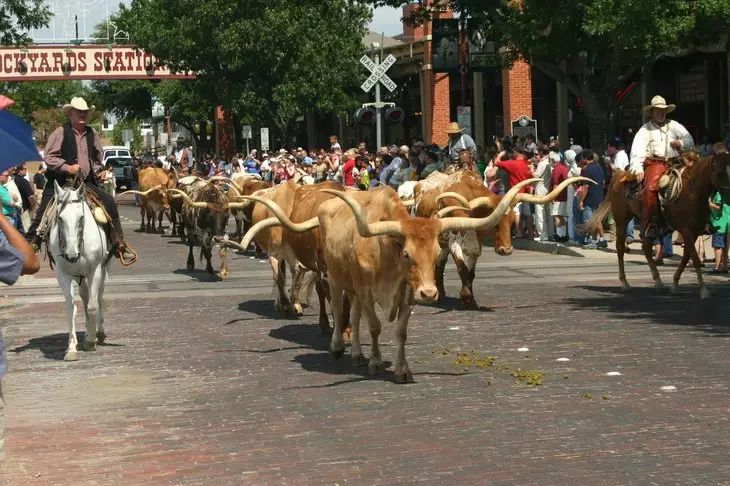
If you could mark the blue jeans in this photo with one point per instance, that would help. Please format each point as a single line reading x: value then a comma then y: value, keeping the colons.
x: 666, y: 242
x: 630, y: 229
x: 137, y: 197
x: 587, y: 215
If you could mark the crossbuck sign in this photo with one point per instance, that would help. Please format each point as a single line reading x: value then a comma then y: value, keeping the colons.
x: 378, y: 73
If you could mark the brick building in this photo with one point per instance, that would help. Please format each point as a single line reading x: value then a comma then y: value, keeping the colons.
x: 697, y: 81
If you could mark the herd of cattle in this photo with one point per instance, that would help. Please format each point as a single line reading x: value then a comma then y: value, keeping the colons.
x: 357, y: 248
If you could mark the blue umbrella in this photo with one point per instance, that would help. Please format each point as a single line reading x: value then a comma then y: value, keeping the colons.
x: 16, y: 140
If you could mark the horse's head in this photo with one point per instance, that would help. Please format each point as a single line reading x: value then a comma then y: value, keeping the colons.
x: 70, y: 220
x: 466, y: 160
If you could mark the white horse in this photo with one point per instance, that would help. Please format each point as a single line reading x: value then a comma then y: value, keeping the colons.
x: 79, y: 247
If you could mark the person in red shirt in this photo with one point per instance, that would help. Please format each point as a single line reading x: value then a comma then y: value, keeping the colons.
x: 347, y: 169
x: 559, y: 207
x: 519, y: 169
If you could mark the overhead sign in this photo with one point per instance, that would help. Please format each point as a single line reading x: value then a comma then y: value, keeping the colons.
x: 34, y: 63
x: 264, y: 139
x: 378, y: 73
x: 246, y: 132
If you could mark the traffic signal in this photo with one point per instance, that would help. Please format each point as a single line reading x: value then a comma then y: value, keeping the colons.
x: 365, y: 116
x: 394, y: 115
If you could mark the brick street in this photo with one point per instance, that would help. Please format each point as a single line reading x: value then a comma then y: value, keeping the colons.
x: 203, y: 382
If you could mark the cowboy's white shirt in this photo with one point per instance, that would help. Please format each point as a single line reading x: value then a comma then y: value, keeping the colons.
x: 653, y: 141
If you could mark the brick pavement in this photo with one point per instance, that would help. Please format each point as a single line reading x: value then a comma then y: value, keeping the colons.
x: 218, y: 389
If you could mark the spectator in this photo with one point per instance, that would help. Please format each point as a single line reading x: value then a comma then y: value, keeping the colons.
x: 27, y: 194
x: 719, y: 219
x: 395, y: 164
x: 519, y: 169
x: 591, y: 196
x: 544, y: 172
x: 431, y: 164
x: 559, y: 207
x: 348, y: 168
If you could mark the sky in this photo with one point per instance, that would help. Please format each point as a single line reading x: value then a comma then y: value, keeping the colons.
x: 386, y: 20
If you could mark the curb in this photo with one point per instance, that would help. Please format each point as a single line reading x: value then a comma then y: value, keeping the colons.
x: 542, y: 247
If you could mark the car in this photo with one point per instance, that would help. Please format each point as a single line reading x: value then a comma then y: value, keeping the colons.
x: 116, y: 151
x: 122, y: 167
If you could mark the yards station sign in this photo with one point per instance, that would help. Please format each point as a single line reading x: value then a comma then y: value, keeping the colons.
x: 36, y: 63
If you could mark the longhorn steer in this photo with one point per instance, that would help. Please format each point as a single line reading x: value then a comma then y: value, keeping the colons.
x: 376, y: 253
x: 153, y: 185
x: 464, y: 192
x: 246, y: 184
x: 205, y: 215
x: 184, y: 184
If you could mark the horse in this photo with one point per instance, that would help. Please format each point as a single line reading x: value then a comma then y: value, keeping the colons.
x: 687, y: 213
x: 78, y: 245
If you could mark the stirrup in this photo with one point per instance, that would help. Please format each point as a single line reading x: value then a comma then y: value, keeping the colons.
x: 122, y: 252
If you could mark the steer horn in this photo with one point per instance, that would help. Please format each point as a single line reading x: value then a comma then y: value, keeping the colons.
x: 232, y: 185
x: 389, y: 228
x: 531, y: 198
x: 409, y: 203
x: 454, y: 195
x: 285, y: 221
x: 195, y: 204
x: 145, y: 193
x: 251, y: 233
x: 482, y: 224
x: 450, y: 209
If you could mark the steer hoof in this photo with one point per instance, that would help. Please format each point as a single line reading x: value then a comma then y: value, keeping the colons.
x: 100, y: 337
x: 406, y: 377
x: 71, y: 356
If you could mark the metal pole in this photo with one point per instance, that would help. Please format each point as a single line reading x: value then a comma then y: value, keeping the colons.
x: 247, y: 150
x: 378, y: 121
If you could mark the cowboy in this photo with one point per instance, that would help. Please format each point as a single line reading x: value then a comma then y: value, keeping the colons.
x: 74, y: 151
x: 655, y: 148
x: 458, y: 141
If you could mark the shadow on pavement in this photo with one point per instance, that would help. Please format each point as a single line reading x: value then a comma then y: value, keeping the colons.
x: 660, y: 306
x: 54, y: 346
x: 265, y: 308
x: 198, y: 275
x: 453, y: 304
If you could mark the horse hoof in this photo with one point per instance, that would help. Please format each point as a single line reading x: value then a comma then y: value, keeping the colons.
x: 100, y: 337
x: 337, y: 353
x: 88, y: 346
x: 71, y: 356
x: 658, y: 284
x: 625, y: 286
x: 705, y: 293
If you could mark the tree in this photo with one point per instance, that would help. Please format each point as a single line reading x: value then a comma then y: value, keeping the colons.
x: 18, y: 16
x: 268, y: 61
x: 593, y: 47
x: 137, y: 139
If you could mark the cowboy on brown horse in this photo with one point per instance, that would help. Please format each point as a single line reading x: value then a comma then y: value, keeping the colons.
x: 656, y: 147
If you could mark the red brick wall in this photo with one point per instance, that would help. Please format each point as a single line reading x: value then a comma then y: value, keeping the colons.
x: 516, y: 93
x: 437, y: 95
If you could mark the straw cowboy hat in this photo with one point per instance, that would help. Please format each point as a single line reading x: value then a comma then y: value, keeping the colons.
x: 454, y: 128
x: 78, y: 104
x: 658, y: 102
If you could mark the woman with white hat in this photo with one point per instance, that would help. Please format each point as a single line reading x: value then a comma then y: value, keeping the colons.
x: 655, y: 147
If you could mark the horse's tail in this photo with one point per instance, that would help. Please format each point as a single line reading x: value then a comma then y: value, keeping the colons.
x: 592, y: 225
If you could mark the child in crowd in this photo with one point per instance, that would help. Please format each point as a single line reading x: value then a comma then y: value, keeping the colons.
x: 719, y: 218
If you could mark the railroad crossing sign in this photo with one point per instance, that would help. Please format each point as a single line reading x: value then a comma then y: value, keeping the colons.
x: 378, y: 73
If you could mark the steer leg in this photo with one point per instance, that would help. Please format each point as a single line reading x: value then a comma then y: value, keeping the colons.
x: 402, y: 371
x: 279, y: 270
x: 207, y: 252
x: 223, y: 253
x: 298, y: 273
x: 142, y: 213
x: 324, y: 324
x: 358, y: 359
x: 191, y: 258
x: 440, y: 270
x: 376, y: 360
x: 161, y: 214
x: 337, y: 344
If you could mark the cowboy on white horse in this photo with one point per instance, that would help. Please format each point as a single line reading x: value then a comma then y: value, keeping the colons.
x: 74, y: 151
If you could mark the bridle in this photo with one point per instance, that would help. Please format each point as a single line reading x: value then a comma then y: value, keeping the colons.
x: 62, y: 243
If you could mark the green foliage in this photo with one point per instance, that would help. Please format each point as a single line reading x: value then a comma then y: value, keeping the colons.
x: 18, y: 16
x: 137, y: 138
x: 39, y: 95
x: 269, y: 60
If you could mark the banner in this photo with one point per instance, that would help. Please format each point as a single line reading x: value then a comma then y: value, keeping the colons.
x: 445, y: 45
x: 36, y: 63
x: 482, y: 51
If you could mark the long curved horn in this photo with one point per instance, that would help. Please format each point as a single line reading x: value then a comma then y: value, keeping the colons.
x: 409, y: 203
x: 285, y: 221
x: 455, y: 195
x: 450, y: 209
x: 232, y: 185
x: 199, y: 204
x: 145, y: 193
x: 251, y: 233
x: 481, y: 201
x: 482, y: 224
x: 219, y: 178
x: 239, y: 205
x: 367, y: 230
x: 177, y: 176
x: 531, y: 198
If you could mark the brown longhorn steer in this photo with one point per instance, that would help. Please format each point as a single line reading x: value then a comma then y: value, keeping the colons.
x: 464, y: 189
x: 153, y: 188
x: 688, y: 214
x: 376, y: 253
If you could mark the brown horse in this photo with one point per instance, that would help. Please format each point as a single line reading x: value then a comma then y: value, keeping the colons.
x: 688, y: 214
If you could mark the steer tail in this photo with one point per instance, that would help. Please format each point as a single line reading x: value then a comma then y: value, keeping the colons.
x: 308, y: 283
x: 592, y: 225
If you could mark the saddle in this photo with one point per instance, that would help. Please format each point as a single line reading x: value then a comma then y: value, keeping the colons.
x: 670, y: 184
